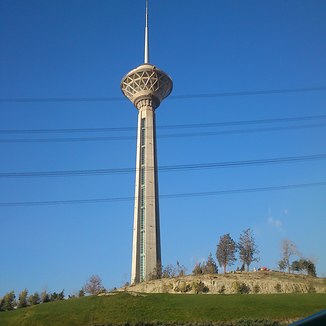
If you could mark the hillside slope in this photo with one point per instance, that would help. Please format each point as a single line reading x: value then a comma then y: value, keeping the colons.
x: 231, y: 283
x: 165, y: 309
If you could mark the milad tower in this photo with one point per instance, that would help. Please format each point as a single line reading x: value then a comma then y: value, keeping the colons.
x: 146, y: 86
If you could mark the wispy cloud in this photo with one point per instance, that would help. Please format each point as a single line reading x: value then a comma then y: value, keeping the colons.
x: 275, y: 223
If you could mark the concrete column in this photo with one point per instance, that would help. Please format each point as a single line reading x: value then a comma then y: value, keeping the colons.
x: 146, y: 255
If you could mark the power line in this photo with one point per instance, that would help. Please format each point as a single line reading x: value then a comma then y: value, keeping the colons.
x: 165, y: 127
x: 176, y: 135
x: 167, y: 168
x: 175, y: 97
x: 170, y: 196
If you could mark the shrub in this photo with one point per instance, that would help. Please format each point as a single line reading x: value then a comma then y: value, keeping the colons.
x: 222, y: 289
x: 183, y: 287
x: 256, y: 288
x: 200, y: 287
x: 278, y: 288
x: 311, y: 289
x: 241, y: 288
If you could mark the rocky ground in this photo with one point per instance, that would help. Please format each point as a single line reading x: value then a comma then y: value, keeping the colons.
x: 231, y: 283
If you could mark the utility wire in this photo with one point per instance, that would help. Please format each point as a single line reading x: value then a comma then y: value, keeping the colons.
x: 175, y: 135
x: 175, y: 97
x: 164, y: 127
x: 167, y: 168
x: 169, y: 196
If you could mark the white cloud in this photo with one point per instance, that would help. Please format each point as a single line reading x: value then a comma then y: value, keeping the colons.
x: 275, y: 223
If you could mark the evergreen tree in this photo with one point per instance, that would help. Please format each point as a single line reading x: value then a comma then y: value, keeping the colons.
x: 8, y: 301
x: 34, y: 299
x: 225, y: 252
x: 197, y: 269
x: 22, y: 299
x: 61, y: 295
x: 210, y: 267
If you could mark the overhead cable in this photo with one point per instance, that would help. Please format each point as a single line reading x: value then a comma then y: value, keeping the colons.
x: 168, y: 196
x: 175, y: 97
x: 165, y: 127
x: 174, y: 135
x: 166, y: 168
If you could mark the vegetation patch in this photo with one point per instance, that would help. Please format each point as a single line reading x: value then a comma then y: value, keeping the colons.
x: 168, y: 309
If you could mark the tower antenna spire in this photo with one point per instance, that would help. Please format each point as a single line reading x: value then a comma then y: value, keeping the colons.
x: 146, y: 56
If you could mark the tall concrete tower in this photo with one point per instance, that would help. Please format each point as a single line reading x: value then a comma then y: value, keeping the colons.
x: 146, y: 86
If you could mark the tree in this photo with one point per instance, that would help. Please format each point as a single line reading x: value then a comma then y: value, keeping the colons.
x: 94, y: 285
x: 296, y: 266
x: 288, y: 250
x: 311, y: 269
x: 282, y: 265
x: 61, y: 295
x: 8, y: 301
x: 247, y: 248
x: 22, y: 299
x: 197, y: 269
x: 45, y: 297
x: 54, y: 296
x: 180, y: 269
x: 169, y: 271
x: 81, y: 293
x: 210, y: 266
x: 34, y: 299
x: 156, y: 274
x: 308, y: 266
x: 225, y: 252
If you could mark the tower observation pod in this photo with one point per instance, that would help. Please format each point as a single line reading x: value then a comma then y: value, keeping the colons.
x: 146, y: 86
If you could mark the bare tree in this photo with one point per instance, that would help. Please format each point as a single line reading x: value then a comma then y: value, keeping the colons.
x: 247, y: 248
x: 94, y: 285
x: 225, y: 252
x: 289, y: 249
x: 180, y: 269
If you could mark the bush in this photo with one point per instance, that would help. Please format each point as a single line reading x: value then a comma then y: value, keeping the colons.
x: 311, y: 289
x: 200, y: 287
x: 241, y: 288
x: 256, y: 288
x: 278, y: 288
x: 183, y: 287
x: 222, y: 289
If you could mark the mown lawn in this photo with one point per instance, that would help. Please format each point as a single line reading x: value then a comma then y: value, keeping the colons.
x: 166, y: 308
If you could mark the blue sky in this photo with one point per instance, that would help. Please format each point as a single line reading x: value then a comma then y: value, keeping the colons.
x: 233, y: 49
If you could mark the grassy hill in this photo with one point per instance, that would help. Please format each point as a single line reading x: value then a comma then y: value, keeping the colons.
x: 167, y: 309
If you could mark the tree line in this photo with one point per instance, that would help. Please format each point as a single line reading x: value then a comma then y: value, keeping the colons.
x: 93, y: 286
x: 225, y: 254
x: 228, y: 251
x: 289, y: 249
x: 9, y: 302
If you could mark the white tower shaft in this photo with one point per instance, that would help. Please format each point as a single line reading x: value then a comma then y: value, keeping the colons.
x: 146, y: 255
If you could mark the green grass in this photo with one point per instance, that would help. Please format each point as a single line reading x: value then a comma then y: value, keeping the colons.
x: 166, y: 308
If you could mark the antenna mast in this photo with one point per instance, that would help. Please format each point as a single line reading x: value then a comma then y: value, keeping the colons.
x: 146, y: 56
